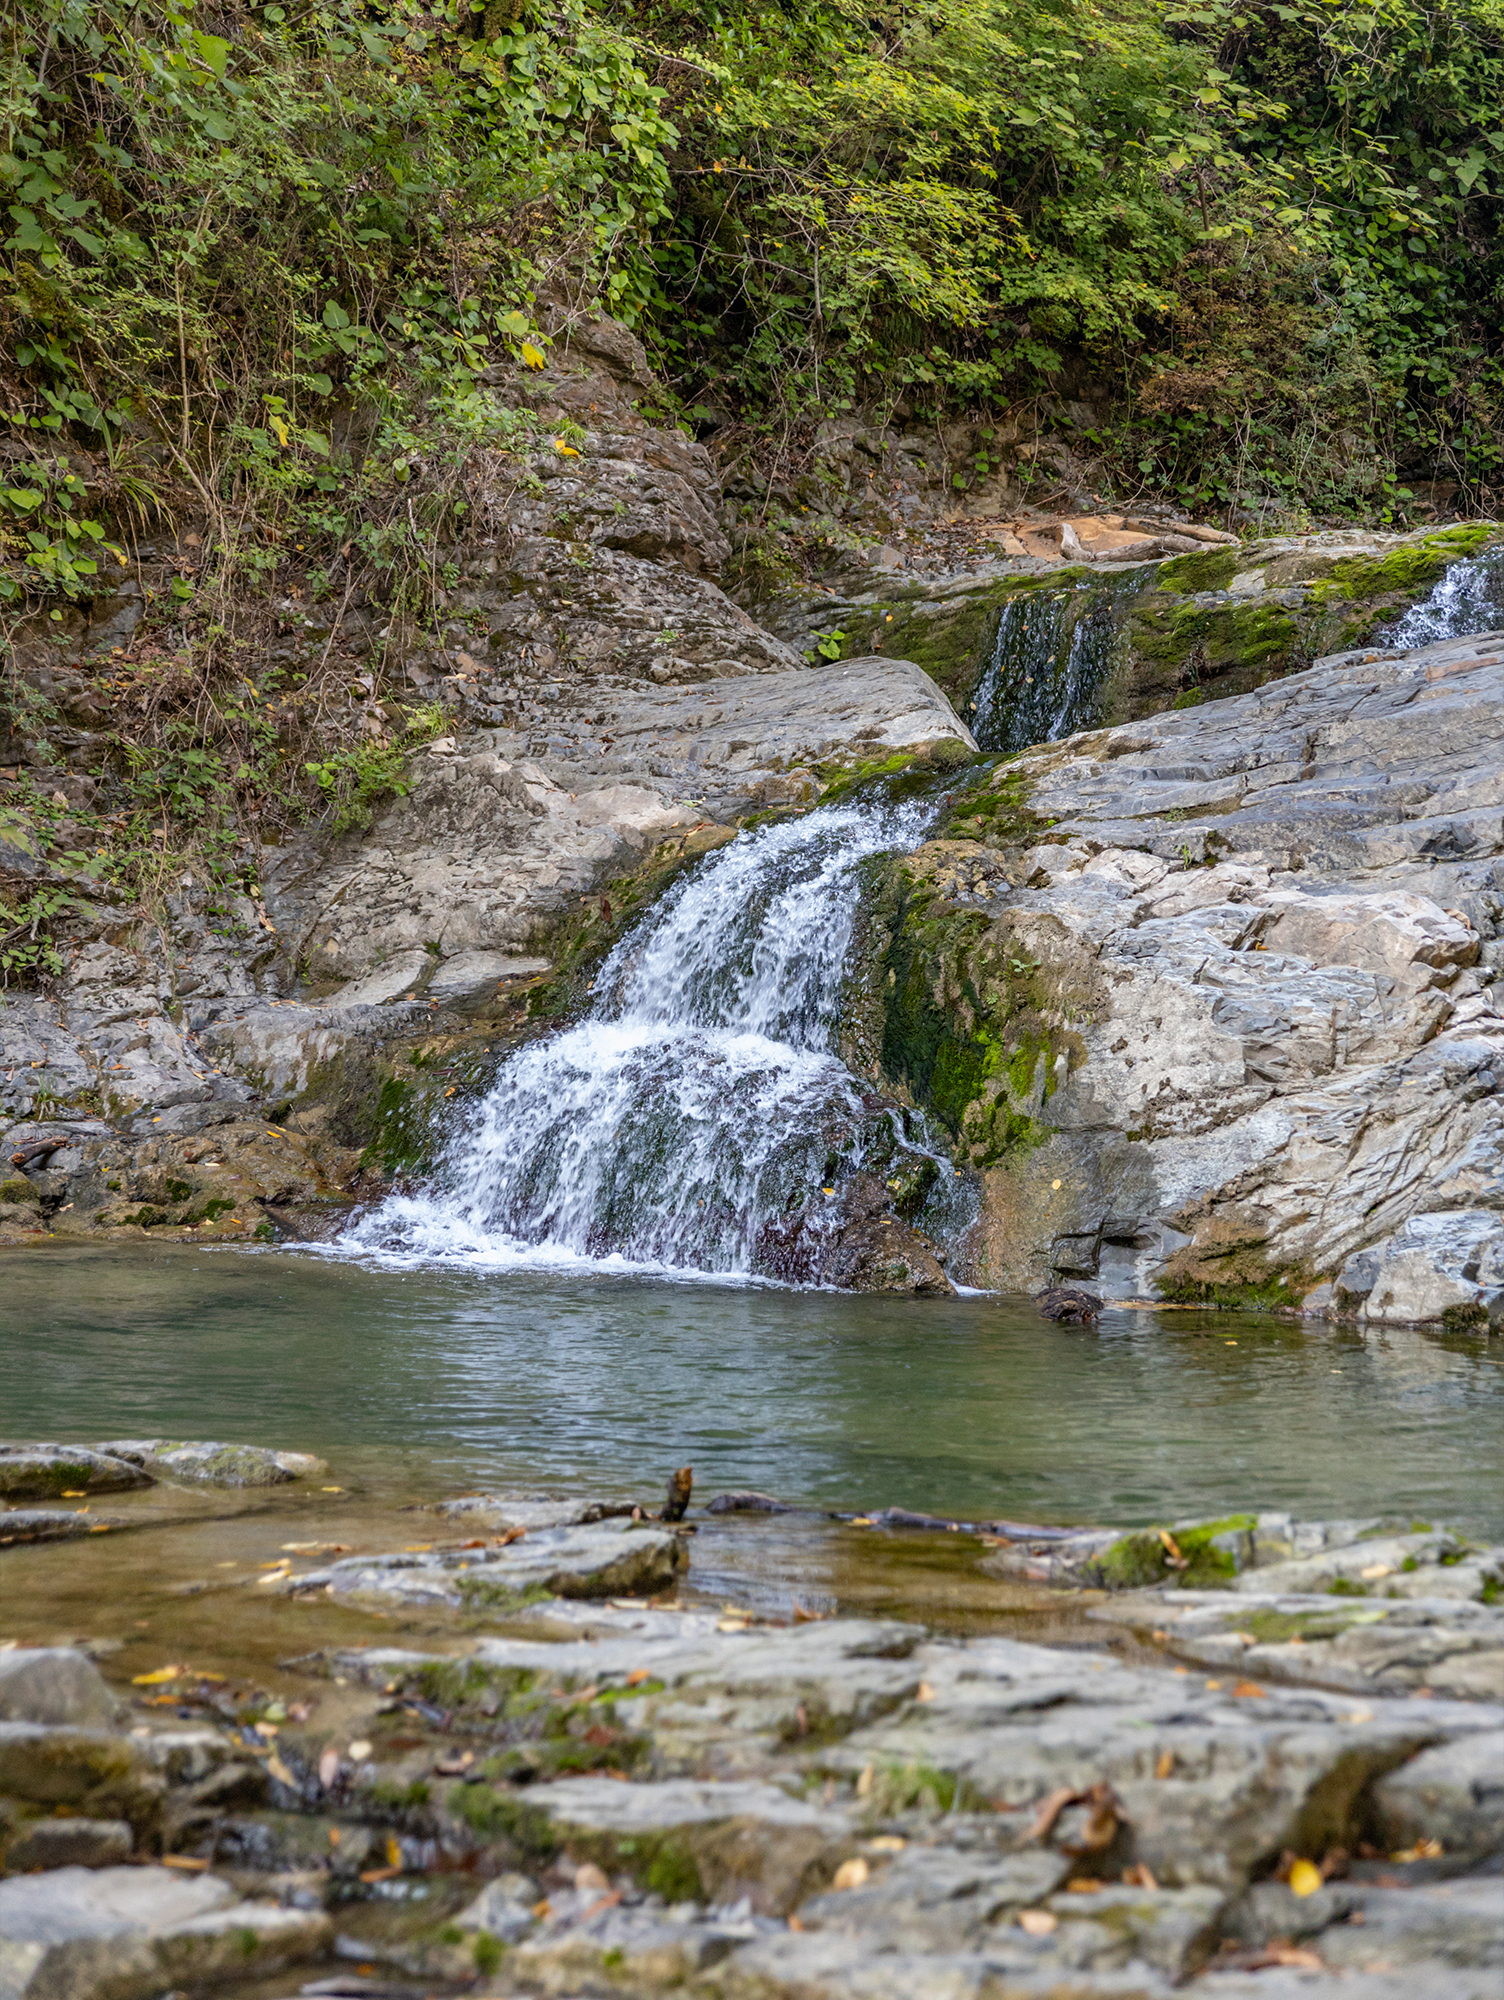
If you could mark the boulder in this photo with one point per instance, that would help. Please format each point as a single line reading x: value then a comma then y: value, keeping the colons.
x: 55, y: 1685
x: 1447, y: 1266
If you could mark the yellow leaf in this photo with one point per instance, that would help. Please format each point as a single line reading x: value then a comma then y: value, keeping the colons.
x: 533, y: 356
x: 283, y: 435
x: 851, y: 1874
x: 280, y: 1771
x: 565, y: 450
x: 1305, y: 1878
x: 156, y: 1679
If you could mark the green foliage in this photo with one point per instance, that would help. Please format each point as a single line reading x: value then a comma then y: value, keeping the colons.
x: 354, y: 780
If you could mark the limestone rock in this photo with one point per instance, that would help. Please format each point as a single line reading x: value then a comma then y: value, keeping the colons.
x: 1453, y: 1793
x: 69, y: 1843
x: 1254, y: 934
x: 202, y: 1463
x: 51, y: 1524
x: 602, y: 1560
x: 54, y: 1684
x: 45, y: 1471
x: 128, y: 1933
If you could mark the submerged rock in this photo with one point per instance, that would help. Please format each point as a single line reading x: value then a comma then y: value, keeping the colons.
x: 51, y: 1524
x: 1069, y: 1305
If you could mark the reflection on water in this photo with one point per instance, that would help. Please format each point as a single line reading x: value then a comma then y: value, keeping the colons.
x: 970, y: 1406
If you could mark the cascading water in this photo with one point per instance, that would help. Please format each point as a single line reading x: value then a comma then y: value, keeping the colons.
x: 1468, y: 599
x: 695, y: 1119
x: 1049, y: 656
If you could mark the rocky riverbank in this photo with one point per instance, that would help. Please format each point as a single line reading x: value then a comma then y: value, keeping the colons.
x: 1063, y: 979
x: 508, y: 1745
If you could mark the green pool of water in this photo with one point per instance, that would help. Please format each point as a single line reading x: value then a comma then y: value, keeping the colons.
x: 973, y: 1407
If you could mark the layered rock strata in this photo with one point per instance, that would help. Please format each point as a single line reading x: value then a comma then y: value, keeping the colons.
x: 1211, y: 1003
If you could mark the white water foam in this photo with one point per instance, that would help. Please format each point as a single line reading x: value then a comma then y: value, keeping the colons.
x: 1469, y: 599
x: 688, y: 1124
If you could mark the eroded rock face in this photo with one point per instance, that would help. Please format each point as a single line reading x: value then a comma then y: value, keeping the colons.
x: 1210, y: 1000
x: 1209, y: 623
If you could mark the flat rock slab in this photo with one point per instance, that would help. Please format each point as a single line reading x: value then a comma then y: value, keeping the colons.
x: 712, y: 1840
x: 201, y: 1462
x: 48, y: 1471
x: 528, y: 1510
x: 19, y: 1525
x: 604, y: 1559
x: 870, y: 707
x: 128, y: 1933
x: 1382, y: 1645
x: 67, y: 1843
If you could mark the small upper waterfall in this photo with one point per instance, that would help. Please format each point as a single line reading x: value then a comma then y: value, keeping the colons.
x: 697, y: 1117
x: 1468, y: 599
x: 1050, y: 653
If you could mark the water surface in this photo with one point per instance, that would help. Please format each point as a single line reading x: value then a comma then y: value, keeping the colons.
x: 968, y: 1406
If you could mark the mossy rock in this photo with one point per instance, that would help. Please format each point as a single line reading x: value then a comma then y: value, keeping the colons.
x: 1144, y: 1559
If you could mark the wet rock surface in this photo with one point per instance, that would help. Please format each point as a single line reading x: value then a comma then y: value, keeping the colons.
x: 1238, y: 966
x: 638, y: 1794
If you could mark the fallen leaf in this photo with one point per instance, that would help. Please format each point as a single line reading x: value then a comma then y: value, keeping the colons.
x: 796, y: 1923
x: 189, y: 1863
x: 1423, y: 1850
x: 1165, y: 1764
x: 360, y: 1750
x: 924, y: 1692
x: 864, y: 1782
x: 1248, y: 1689
x: 851, y: 1874
x: 637, y: 1676
x: 329, y: 1767
x: 1084, y: 1885
x: 155, y: 1679
x: 378, y: 1874
x: 1375, y: 1570
x: 1050, y: 1809
x: 1139, y: 1875
x: 280, y: 1771
x: 887, y: 1843
x: 1038, y: 1923
x: 393, y: 1851
x: 533, y: 356
x: 1305, y: 1878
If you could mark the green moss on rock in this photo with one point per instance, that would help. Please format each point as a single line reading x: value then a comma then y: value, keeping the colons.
x: 1144, y: 1559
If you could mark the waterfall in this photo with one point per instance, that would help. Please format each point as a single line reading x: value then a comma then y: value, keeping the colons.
x: 1468, y: 599
x: 1049, y: 655
x: 698, y: 1119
